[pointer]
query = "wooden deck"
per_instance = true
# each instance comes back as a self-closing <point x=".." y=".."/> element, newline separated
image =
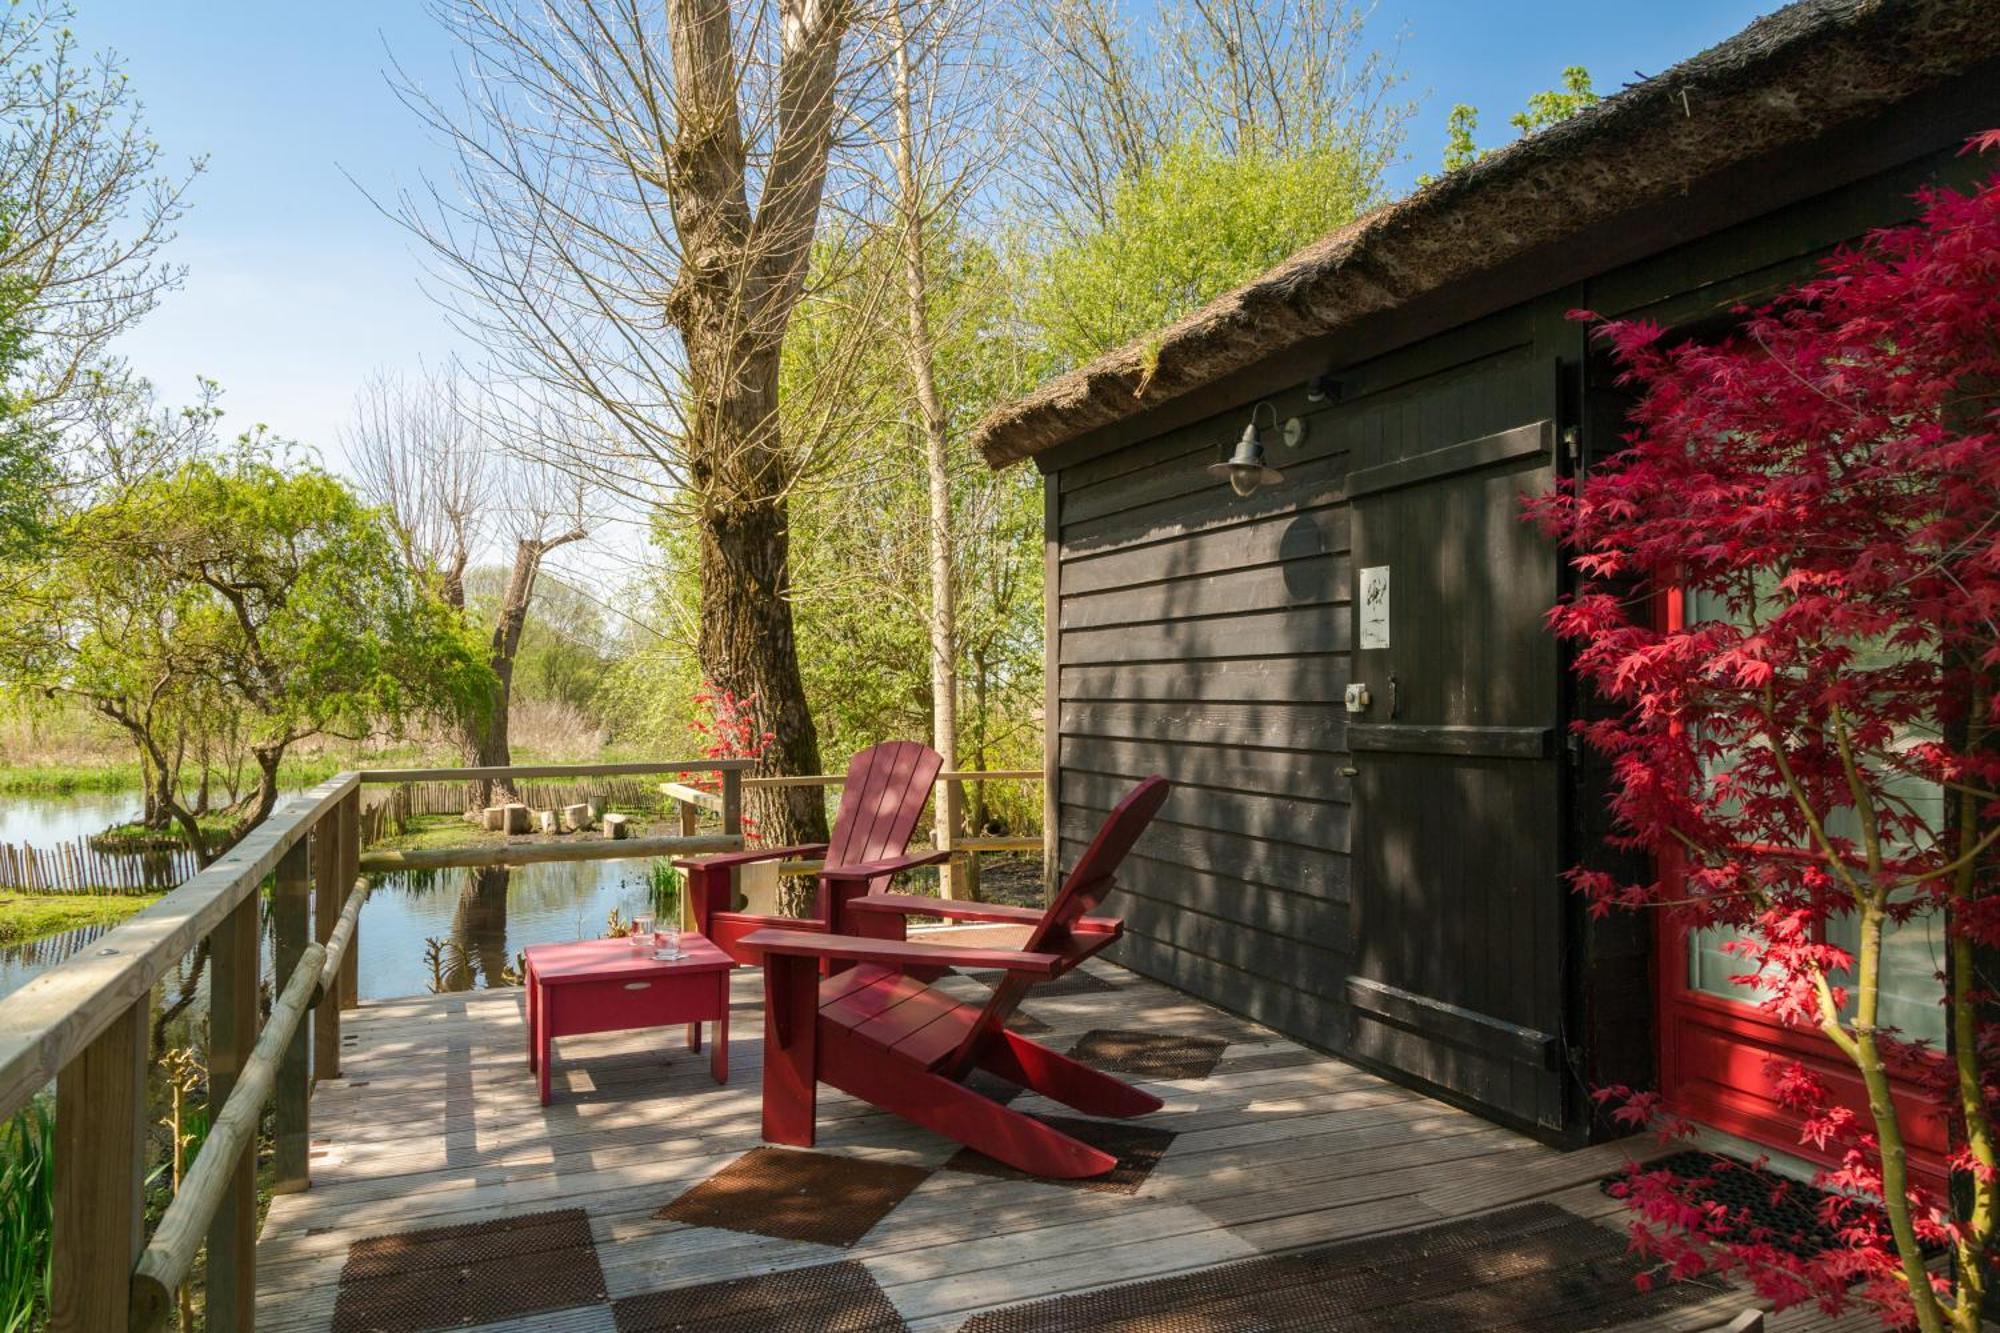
<point x="436" y="1124"/>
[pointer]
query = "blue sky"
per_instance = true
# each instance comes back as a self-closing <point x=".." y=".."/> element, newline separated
<point x="297" y="287"/>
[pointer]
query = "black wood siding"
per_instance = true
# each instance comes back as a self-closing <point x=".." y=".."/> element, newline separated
<point x="1207" y="637"/>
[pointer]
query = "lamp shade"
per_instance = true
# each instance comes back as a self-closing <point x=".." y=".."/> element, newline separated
<point x="1246" y="471"/>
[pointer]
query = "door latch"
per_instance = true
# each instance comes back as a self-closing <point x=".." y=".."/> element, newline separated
<point x="1356" y="697"/>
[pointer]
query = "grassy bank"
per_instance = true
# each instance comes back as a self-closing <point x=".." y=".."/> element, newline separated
<point x="26" y="916"/>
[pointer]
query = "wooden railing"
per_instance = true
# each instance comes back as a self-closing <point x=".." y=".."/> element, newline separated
<point x="84" y="1025"/>
<point x="957" y="878"/>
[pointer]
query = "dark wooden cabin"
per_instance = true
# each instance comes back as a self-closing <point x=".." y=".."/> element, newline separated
<point x="1384" y="882"/>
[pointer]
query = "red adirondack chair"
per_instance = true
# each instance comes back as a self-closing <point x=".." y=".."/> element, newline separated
<point x="878" y="1032"/>
<point x="880" y="803"/>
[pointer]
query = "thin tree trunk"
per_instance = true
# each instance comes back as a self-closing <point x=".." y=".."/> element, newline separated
<point x="486" y="729"/>
<point x="920" y="351"/>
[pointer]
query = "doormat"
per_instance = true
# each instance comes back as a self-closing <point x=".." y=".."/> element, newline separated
<point x="1138" y="1149"/>
<point x="1762" y="1206"/>
<point x="793" y="1195"/>
<point x="1532" y="1267"/>
<point x="1156" y="1055"/>
<point x="820" y="1298"/>
<point x="445" y="1277"/>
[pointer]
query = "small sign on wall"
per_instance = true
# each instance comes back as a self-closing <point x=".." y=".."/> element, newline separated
<point x="1374" y="598"/>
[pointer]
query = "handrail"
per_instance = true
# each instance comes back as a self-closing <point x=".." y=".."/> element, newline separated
<point x="380" y="775"/>
<point x="85" y="1024"/>
<point x="962" y="871"/>
<point x="54" y="1017"/>
<point x="169" y="1257"/>
<point x="338" y="942"/>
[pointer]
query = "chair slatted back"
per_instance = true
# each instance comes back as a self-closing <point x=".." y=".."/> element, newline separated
<point x="1085" y="887"/>
<point x="881" y="802"/>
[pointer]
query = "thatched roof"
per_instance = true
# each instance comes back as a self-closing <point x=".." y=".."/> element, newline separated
<point x="1783" y="81"/>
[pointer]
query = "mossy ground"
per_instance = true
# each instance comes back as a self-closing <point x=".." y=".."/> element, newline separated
<point x="27" y="916"/>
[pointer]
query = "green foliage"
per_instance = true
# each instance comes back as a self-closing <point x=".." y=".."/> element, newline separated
<point x="1194" y="225"/>
<point x="1544" y="109"/>
<point x="234" y="602"/>
<point x="1460" y="148"/>
<point x="27" y="1214"/>
<point x="1547" y="108"/>
<point x="27" y="474"/>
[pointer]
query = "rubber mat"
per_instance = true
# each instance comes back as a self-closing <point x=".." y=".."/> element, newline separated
<point x="472" y="1274"/>
<point x="794" y="1195"/>
<point x="1137" y="1147"/>
<point x="1155" y="1055"/>
<point x="1762" y="1205"/>
<point x="821" y="1298"/>
<point x="1535" y="1267"/>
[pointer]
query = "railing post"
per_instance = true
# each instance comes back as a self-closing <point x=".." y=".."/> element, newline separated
<point x="327" y="897"/>
<point x="292" y="932"/>
<point x="732" y="824"/>
<point x="690" y="828"/>
<point x="232" y="1032"/>
<point x="946" y="802"/>
<point x="350" y="870"/>
<point x="99" y="1169"/>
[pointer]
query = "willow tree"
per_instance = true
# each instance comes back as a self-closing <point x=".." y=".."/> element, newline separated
<point x="627" y="233"/>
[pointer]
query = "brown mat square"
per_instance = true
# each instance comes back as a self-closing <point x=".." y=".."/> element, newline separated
<point x="793" y="1195"/>
<point x="1532" y="1267"/>
<point x="833" y="1298"/>
<point x="1148" y="1054"/>
<point x="1026" y="1024"/>
<point x="472" y="1274"/>
<point x="1138" y="1149"/>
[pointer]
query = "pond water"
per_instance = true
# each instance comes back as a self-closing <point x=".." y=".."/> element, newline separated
<point x="44" y="821"/>
<point x="480" y="920"/>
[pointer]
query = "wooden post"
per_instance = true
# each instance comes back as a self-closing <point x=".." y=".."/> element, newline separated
<point x="946" y="800"/>
<point x="232" y="1032"/>
<point x="100" y="1164"/>
<point x="732" y="825"/>
<point x="326" y="911"/>
<point x="292" y="933"/>
<point x="350" y="870"/>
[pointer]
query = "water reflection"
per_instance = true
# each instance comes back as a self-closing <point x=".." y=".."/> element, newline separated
<point x="483" y="918"/>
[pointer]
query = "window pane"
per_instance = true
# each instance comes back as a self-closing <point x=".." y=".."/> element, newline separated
<point x="1912" y="956"/>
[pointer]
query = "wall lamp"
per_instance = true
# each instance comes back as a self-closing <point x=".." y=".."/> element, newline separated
<point x="1245" y="469"/>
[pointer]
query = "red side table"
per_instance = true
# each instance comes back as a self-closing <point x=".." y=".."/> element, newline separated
<point x="609" y="986"/>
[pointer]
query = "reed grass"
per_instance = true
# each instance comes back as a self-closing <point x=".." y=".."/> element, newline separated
<point x="27" y="1215"/>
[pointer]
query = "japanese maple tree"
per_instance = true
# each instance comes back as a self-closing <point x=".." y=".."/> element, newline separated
<point x="1820" y="746"/>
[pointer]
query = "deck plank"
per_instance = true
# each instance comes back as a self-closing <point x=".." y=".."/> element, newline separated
<point x="437" y="1123"/>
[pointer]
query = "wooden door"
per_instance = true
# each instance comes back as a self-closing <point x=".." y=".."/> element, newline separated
<point x="1458" y="902"/>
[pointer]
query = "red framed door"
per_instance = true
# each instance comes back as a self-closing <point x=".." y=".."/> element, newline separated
<point x="1721" y="1054"/>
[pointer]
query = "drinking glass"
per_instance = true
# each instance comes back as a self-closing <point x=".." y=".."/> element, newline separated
<point x="642" y="929"/>
<point x="669" y="941"/>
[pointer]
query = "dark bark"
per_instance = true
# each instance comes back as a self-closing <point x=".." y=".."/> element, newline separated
<point x="747" y="647"/>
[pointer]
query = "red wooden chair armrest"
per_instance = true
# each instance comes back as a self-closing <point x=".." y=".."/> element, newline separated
<point x="803" y="852"/>
<point x="899" y="953"/>
<point x="910" y="904"/>
<point x="893" y="865"/>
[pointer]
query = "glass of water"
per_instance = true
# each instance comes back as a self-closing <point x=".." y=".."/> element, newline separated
<point x="642" y="929"/>
<point x="669" y="941"/>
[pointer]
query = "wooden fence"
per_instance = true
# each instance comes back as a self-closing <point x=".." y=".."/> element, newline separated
<point x="957" y="878"/>
<point x="85" y="1024"/>
<point x="77" y="867"/>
